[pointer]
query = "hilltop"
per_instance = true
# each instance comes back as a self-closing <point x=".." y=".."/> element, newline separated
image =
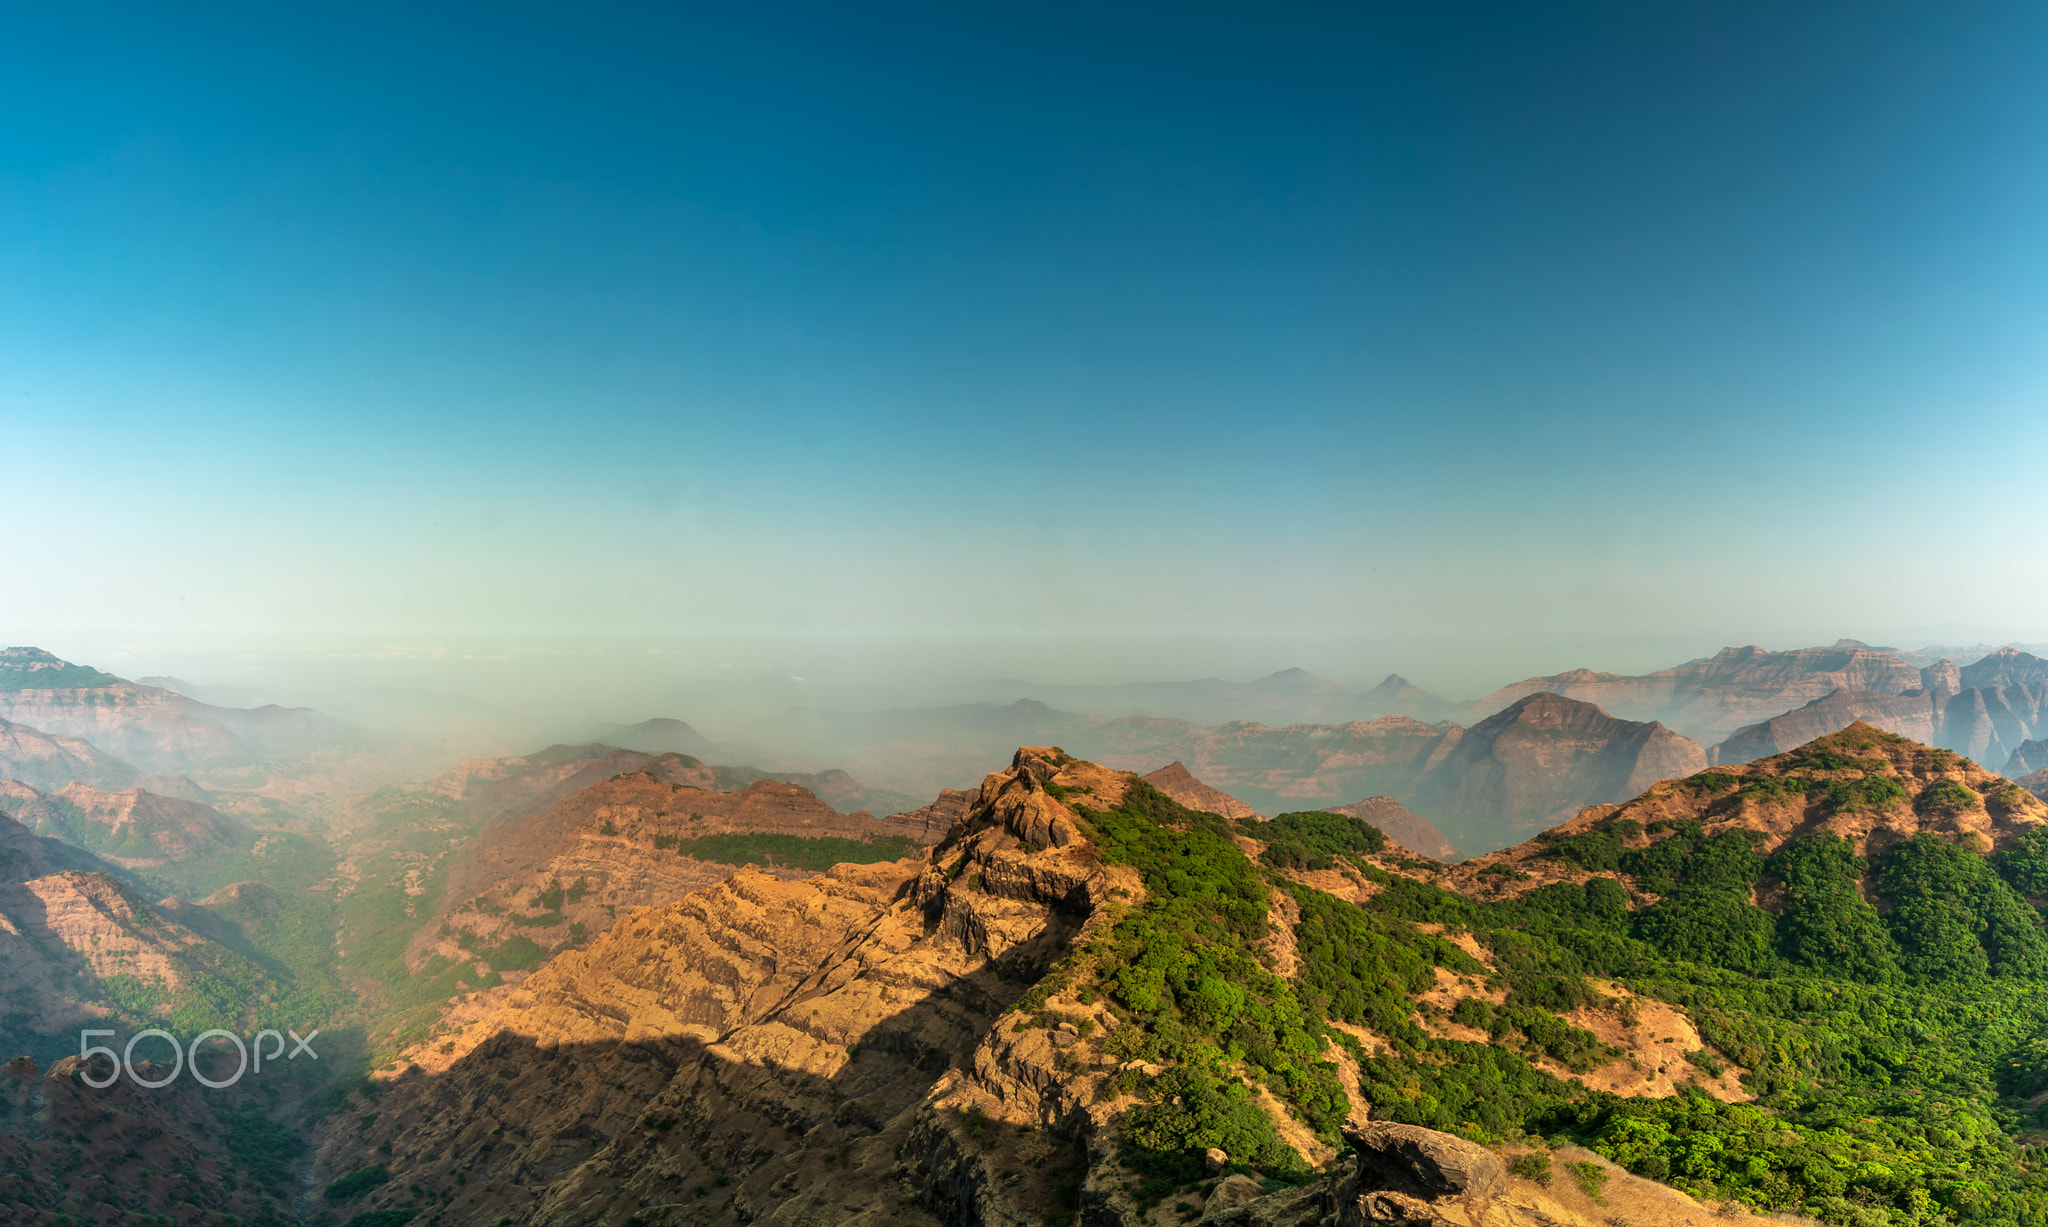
<point x="1861" y="786"/>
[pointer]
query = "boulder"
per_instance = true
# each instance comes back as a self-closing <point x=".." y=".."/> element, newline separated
<point x="1422" y="1162"/>
<point x="1232" y="1191"/>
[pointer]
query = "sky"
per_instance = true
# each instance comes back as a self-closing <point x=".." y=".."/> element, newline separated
<point x="1083" y="342"/>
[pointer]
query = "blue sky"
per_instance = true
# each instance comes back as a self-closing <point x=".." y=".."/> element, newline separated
<point x="1598" y="323"/>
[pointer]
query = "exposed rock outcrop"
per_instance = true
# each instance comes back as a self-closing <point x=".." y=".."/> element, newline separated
<point x="826" y="1047"/>
<point x="1401" y="826"/>
<point x="614" y="845"/>
<point x="1176" y="781"/>
<point x="1914" y="716"/>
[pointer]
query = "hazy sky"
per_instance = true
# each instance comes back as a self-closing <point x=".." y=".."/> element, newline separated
<point x="1593" y="324"/>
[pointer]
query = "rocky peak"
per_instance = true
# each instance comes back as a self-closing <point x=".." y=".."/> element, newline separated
<point x="2005" y="667"/>
<point x="1176" y="781"/>
<point x="2029" y="757"/>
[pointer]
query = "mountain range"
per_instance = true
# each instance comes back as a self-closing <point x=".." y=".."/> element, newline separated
<point x="598" y="983"/>
<point x="1091" y="1003"/>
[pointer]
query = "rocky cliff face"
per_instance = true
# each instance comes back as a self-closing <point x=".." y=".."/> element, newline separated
<point x="68" y="927"/>
<point x="1916" y="716"/>
<point x="1707" y="700"/>
<point x="1546" y="757"/>
<point x="2027" y="758"/>
<point x="800" y="1052"/>
<point x="1987" y="722"/>
<point x="1990" y="722"/>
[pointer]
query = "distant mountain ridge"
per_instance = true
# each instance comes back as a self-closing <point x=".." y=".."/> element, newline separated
<point x="1288" y="696"/>
<point x="1537" y="762"/>
<point x="1986" y="710"/>
<point x="155" y="729"/>
<point x="1710" y="698"/>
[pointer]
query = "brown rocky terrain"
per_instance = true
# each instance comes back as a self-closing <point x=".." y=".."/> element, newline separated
<point x="134" y="828"/>
<point x="1720" y="799"/>
<point x="67" y="926"/>
<point x="613" y="845"/>
<point x="790" y="1048"/>
<point x="74" y="1153"/>
<point x="1176" y="781"/>
<point x="838" y="1050"/>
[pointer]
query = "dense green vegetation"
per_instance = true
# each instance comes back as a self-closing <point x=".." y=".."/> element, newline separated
<point x="16" y="675"/>
<point x="1183" y="972"/>
<point x="1890" y="1054"/>
<point x="1892" y="1048"/>
<point x="1313" y="839"/>
<point x="796" y="851"/>
<point x="356" y="1183"/>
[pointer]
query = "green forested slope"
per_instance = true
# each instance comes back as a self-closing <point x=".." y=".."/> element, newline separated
<point x="1854" y="933"/>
